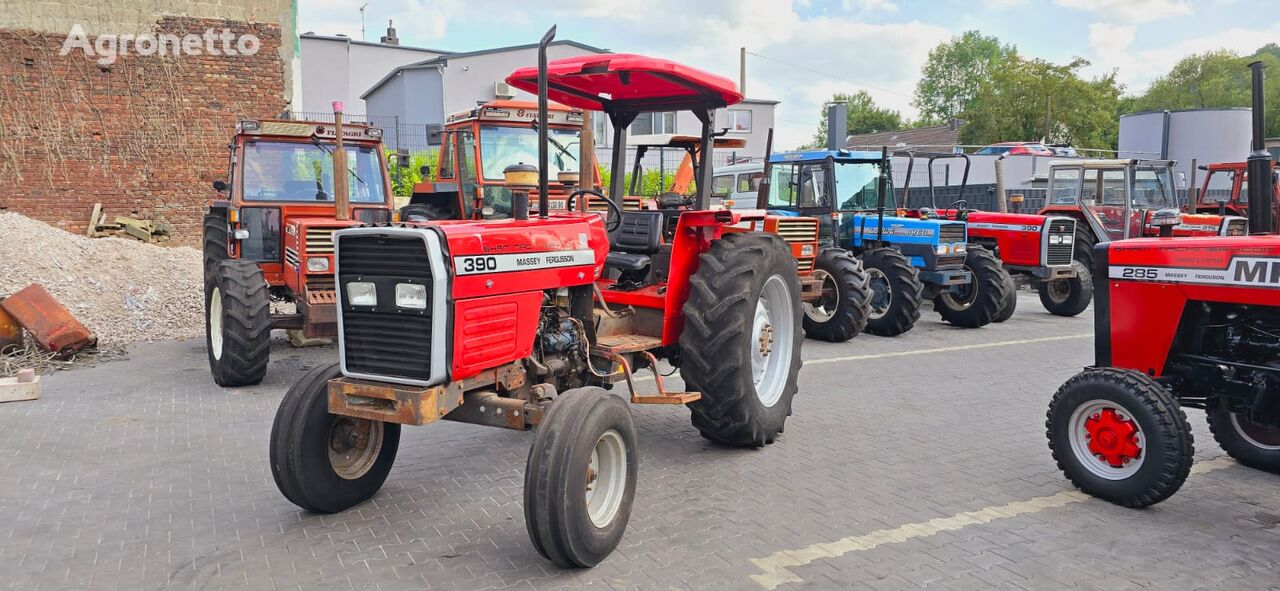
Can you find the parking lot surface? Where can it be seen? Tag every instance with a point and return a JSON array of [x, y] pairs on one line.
[[917, 461]]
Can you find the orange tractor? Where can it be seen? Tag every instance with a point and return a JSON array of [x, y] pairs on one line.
[[1226, 189], [268, 236]]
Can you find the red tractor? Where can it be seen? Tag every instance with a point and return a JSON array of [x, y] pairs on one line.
[[524, 322], [1191, 322], [268, 237], [1226, 188]]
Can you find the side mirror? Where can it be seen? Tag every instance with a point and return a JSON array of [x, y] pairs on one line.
[[425, 170], [219, 186], [1182, 180]]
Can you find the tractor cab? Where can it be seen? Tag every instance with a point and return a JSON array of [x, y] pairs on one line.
[[1119, 198], [1226, 190]]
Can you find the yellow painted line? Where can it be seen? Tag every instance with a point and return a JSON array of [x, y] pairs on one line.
[[776, 566], [949, 349]]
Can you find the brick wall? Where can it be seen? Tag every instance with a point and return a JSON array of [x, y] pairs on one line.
[[144, 136]]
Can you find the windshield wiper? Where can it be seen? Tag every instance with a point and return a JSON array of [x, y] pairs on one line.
[[329, 151], [558, 145]]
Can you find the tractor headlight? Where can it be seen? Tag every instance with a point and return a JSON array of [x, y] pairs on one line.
[[940, 249], [411, 295], [362, 293], [317, 264], [960, 249], [806, 250]]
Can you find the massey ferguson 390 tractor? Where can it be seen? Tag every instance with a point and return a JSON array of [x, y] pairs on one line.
[[524, 322], [269, 235], [907, 259]]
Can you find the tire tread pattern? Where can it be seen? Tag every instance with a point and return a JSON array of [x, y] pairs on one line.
[[904, 281], [246, 324]]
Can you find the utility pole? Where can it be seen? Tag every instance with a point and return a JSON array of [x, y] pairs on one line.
[[742, 70], [362, 7], [1048, 110]]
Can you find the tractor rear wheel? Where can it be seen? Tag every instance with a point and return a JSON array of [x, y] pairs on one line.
[[237, 323], [324, 462], [895, 292], [1068, 297], [741, 341], [1010, 300], [580, 479], [841, 314], [1249, 443], [1120, 436], [216, 238], [421, 212], [977, 304]]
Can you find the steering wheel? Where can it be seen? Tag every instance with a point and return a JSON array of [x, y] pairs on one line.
[[611, 221], [956, 205]]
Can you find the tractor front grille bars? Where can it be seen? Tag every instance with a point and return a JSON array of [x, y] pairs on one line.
[[1059, 241]]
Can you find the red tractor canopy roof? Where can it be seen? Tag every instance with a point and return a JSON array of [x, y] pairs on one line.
[[628, 82]]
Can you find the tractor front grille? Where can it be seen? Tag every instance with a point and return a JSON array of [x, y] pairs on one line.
[[951, 233], [1059, 236], [950, 261], [798, 229], [384, 341], [319, 241]]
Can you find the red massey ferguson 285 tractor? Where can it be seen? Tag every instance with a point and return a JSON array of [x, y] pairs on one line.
[[270, 236], [523, 322]]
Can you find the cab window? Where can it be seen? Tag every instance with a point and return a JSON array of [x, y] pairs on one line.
[[1065, 186], [722, 184], [749, 182]]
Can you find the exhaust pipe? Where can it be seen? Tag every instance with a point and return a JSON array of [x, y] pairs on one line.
[[542, 122], [1261, 220]]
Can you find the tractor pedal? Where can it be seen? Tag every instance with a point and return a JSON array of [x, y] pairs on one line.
[[668, 398]]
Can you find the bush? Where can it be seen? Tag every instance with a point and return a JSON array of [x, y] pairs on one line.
[[652, 183], [403, 178]]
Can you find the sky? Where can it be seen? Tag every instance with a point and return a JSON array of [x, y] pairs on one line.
[[801, 52]]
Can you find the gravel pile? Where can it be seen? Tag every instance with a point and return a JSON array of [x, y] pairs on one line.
[[121, 289]]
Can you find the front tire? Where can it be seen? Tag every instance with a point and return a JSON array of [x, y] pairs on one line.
[[323, 462], [741, 341], [580, 478], [1120, 436], [1068, 297], [1010, 300], [841, 314], [237, 323], [1249, 443], [977, 304], [896, 292]]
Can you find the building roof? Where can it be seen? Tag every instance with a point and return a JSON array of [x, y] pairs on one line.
[[344, 39], [443, 60], [941, 135]]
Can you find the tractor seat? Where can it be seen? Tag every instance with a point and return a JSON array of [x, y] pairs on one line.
[[637, 237]]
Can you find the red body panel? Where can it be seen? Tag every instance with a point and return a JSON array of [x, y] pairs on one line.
[[1151, 280], [1017, 235], [295, 237], [492, 331]]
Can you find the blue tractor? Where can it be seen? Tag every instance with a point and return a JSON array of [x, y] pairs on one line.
[[908, 259]]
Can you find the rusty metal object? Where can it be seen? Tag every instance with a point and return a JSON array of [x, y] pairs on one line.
[[52, 325], [10, 332], [416, 405], [810, 289], [488, 409], [663, 397]]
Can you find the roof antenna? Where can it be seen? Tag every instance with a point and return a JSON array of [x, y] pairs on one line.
[[542, 118]]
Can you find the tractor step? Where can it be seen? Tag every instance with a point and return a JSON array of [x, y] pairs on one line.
[[668, 398], [663, 396], [624, 343]]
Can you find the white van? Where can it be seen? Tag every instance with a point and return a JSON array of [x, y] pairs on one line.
[[735, 185]]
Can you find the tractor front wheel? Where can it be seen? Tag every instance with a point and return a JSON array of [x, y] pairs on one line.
[[977, 304], [1120, 436], [324, 462], [1251, 444], [841, 313], [1068, 297], [1010, 300], [237, 323], [741, 341], [580, 478], [896, 292]]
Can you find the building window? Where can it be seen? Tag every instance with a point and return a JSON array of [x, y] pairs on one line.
[[647, 123], [739, 120], [600, 123]]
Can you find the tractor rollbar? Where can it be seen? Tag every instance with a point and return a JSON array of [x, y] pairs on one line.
[[543, 203], [762, 192], [882, 186]]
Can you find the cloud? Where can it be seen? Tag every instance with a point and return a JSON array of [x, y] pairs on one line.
[[1002, 4], [1133, 11], [1137, 69], [869, 5]]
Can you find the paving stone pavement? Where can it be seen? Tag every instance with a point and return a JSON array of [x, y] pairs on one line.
[[142, 474]]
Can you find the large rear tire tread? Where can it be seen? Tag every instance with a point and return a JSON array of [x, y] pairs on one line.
[[1169, 450], [715, 347], [216, 237], [555, 508], [1242, 450], [1010, 300], [427, 211], [851, 312], [299, 449], [989, 279], [906, 287], [246, 324]]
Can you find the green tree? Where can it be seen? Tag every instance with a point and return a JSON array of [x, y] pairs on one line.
[[951, 76], [1011, 106], [863, 116], [1214, 79]]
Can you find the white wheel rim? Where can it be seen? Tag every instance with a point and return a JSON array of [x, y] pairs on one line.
[[215, 323], [772, 335], [1078, 432], [881, 293], [354, 445], [970, 291], [606, 479], [825, 308], [1249, 433]]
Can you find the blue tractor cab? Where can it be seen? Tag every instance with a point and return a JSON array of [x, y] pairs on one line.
[[907, 258]]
